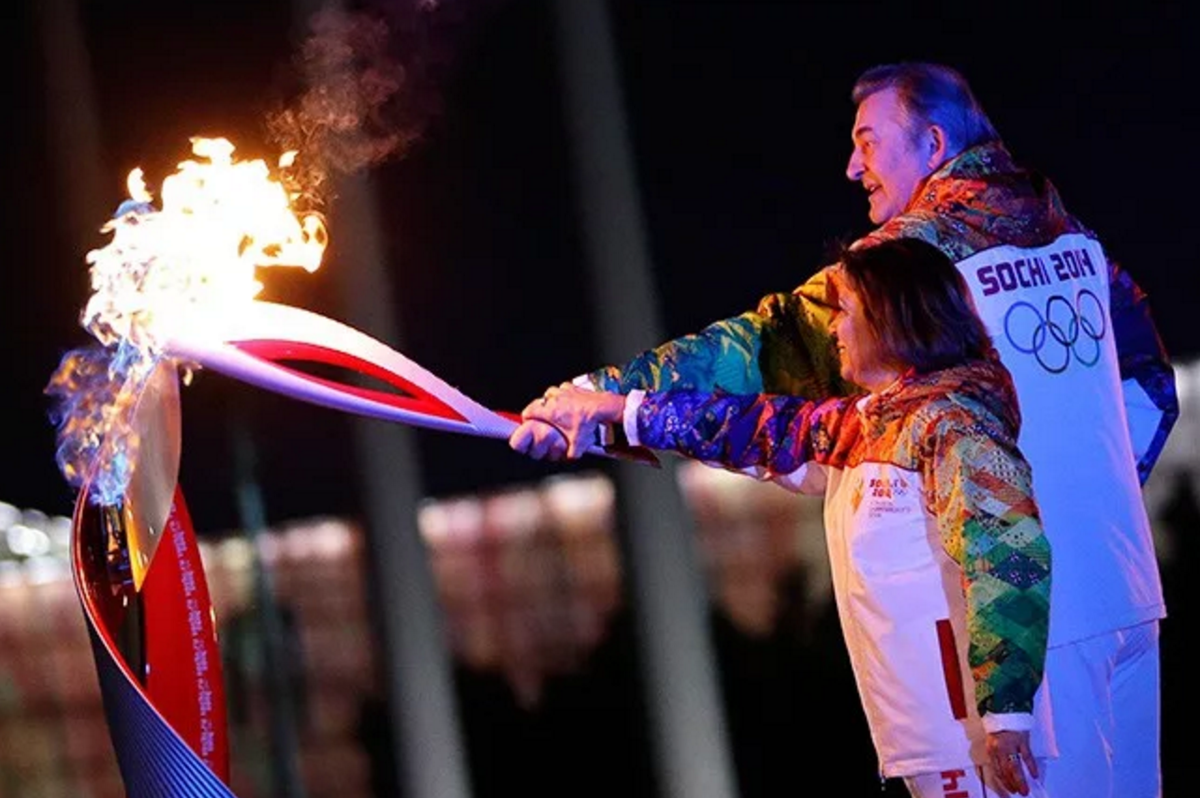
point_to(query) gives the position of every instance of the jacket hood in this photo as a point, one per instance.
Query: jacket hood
(979, 199)
(985, 386)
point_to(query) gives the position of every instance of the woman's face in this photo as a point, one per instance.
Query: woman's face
(858, 350)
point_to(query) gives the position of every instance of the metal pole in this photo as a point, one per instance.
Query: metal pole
(74, 129)
(427, 743)
(670, 604)
(419, 678)
(286, 779)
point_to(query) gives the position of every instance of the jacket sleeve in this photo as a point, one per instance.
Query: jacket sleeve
(1147, 379)
(765, 435)
(981, 494)
(784, 346)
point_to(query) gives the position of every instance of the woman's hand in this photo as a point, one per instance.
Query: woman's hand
(1011, 758)
(564, 421)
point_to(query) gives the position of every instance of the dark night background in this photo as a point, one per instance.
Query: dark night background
(739, 115)
(740, 118)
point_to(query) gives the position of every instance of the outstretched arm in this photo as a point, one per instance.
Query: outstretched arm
(767, 435)
(783, 346)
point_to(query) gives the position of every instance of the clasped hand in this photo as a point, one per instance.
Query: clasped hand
(563, 422)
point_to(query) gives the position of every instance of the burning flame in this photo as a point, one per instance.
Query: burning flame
(166, 271)
(196, 256)
(95, 391)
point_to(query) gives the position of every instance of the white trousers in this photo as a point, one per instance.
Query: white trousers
(971, 782)
(1105, 695)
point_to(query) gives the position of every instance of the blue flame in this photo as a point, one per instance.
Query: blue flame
(94, 391)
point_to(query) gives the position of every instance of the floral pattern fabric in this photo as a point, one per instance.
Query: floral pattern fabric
(957, 429)
(977, 200)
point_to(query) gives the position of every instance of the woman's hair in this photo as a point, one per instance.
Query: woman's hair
(916, 304)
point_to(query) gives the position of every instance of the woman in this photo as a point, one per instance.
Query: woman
(940, 568)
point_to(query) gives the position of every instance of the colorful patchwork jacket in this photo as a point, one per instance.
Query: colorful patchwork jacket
(1095, 386)
(940, 567)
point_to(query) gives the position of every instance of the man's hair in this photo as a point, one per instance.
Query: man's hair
(916, 304)
(933, 94)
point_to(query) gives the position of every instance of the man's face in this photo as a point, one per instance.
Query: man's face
(890, 159)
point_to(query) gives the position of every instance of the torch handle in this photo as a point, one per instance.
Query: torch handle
(257, 346)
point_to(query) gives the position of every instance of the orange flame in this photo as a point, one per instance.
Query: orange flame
(166, 271)
(196, 256)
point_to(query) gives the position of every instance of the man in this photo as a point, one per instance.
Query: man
(1096, 392)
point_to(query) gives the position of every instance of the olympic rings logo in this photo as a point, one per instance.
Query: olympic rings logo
(1060, 332)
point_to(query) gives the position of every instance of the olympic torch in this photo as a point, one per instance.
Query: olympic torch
(173, 291)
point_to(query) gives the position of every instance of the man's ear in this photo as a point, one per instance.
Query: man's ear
(937, 147)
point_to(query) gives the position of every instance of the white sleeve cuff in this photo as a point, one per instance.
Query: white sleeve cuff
(810, 478)
(1007, 721)
(633, 400)
(583, 381)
